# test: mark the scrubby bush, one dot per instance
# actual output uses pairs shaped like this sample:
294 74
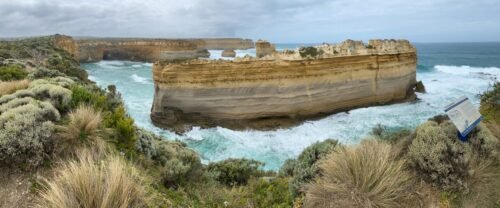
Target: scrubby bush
305 167
272 193
12 86
42 72
390 135
125 130
443 160
176 162
12 72
310 52
57 95
87 183
490 103
362 176
83 125
26 132
233 172
81 95
66 65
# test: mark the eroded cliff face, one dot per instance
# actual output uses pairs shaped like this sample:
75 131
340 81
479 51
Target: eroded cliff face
150 50
284 88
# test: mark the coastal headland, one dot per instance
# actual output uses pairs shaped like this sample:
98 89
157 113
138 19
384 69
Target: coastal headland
284 88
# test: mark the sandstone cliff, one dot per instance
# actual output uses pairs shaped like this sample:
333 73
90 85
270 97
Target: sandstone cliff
143 49
283 88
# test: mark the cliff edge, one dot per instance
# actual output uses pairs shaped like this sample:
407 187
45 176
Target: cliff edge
282 88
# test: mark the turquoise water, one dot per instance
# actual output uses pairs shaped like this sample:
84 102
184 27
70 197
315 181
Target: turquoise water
447 70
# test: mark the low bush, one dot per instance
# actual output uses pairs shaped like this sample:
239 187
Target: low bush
176 163
12 86
309 52
87 182
42 72
12 72
443 160
26 132
273 193
305 167
84 122
234 172
362 176
390 135
57 95
125 130
490 103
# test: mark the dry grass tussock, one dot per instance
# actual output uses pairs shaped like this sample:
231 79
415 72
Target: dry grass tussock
87 182
12 86
83 125
364 176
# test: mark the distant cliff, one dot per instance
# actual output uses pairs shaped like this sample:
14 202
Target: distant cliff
143 49
283 88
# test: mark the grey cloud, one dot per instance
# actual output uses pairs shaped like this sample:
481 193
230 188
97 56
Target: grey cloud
277 20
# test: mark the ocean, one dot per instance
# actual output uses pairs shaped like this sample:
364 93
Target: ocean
448 71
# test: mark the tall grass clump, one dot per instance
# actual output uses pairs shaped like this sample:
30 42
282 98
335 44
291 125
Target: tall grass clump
83 124
362 176
12 86
88 182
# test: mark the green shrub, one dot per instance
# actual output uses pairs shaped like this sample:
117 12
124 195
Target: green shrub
310 52
42 72
12 72
57 95
177 163
362 176
233 172
305 167
66 65
26 132
124 127
389 135
490 103
272 193
443 160
83 96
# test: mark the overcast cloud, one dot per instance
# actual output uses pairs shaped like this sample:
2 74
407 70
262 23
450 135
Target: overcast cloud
275 20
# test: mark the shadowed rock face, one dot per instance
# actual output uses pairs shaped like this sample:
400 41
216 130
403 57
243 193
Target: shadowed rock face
142 49
282 89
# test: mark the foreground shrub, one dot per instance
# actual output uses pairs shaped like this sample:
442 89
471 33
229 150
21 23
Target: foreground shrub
87 183
305 167
490 103
125 130
57 95
443 160
177 164
233 172
12 86
83 124
363 176
26 132
12 72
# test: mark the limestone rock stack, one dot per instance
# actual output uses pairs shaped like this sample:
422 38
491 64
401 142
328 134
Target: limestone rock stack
282 88
264 48
228 53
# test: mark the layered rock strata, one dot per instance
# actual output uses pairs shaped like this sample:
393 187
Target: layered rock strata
264 48
282 89
143 49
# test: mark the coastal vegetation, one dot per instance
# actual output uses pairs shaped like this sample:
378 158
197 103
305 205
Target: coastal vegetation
78 147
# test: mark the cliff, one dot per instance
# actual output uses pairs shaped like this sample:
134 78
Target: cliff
144 49
283 88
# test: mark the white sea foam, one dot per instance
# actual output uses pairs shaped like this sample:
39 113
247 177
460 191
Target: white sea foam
140 79
444 85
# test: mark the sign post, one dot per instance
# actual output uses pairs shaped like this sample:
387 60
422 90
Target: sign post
464 115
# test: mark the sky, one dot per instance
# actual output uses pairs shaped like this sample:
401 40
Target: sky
279 21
